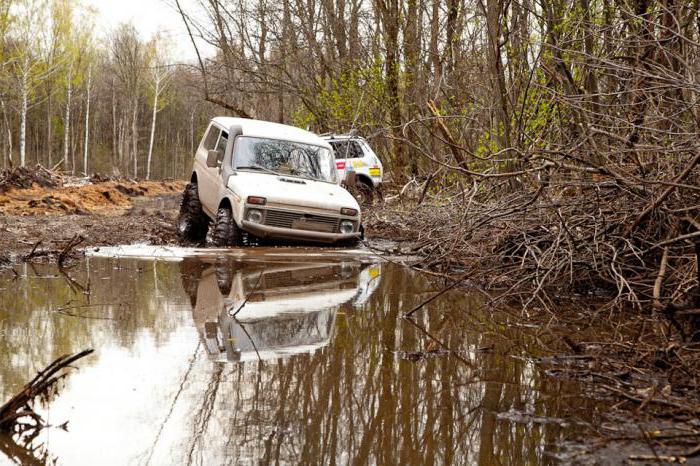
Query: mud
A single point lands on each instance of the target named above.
(107, 198)
(40, 221)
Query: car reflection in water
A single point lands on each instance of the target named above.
(248, 311)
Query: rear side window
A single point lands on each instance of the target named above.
(347, 149)
(210, 139)
(221, 146)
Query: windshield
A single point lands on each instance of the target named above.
(285, 158)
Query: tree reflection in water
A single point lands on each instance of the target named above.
(311, 371)
(354, 400)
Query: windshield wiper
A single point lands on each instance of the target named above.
(258, 167)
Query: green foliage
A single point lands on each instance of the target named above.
(354, 97)
(302, 117)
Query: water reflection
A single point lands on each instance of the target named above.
(308, 372)
(257, 311)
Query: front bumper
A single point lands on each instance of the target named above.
(266, 231)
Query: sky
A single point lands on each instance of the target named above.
(149, 17)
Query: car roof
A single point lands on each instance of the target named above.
(270, 130)
(332, 137)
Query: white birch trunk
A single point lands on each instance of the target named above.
(153, 129)
(9, 131)
(135, 136)
(23, 115)
(87, 123)
(66, 123)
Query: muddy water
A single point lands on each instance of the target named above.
(272, 356)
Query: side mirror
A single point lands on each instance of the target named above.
(214, 158)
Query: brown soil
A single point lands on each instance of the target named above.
(107, 198)
(39, 222)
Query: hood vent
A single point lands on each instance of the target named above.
(291, 180)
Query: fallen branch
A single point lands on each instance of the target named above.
(43, 385)
(75, 241)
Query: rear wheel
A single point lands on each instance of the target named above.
(364, 193)
(224, 232)
(192, 222)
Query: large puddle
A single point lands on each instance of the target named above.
(275, 356)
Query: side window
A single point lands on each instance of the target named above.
(347, 149)
(221, 146)
(209, 141)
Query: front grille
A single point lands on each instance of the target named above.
(299, 221)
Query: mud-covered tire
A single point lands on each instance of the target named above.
(363, 193)
(192, 223)
(224, 232)
(224, 270)
(351, 243)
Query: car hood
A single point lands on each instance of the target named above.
(291, 191)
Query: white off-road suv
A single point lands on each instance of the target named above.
(354, 155)
(267, 180)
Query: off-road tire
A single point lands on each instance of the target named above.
(224, 270)
(192, 223)
(224, 232)
(350, 243)
(363, 193)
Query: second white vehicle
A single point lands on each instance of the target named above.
(268, 180)
(354, 155)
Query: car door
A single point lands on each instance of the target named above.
(221, 147)
(347, 153)
(208, 176)
(341, 150)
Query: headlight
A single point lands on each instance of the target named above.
(346, 226)
(254, 216)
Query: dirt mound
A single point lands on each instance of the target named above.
(24, 178)
(108, 198)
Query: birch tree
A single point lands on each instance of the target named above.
(128, 57)
(160, 74)
(27, 67)
(86, 143)
(77, 57)
(4, 64)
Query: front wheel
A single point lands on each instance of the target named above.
(224, 232)
(192, 222)
(355, 241)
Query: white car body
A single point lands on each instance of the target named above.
(295, 208)
(353, 154)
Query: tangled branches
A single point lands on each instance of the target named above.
(17, 415)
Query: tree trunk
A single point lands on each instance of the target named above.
(434, 39)
(23, 116)
(49, 136)
(66, 120)
(87, 123)
(153, 129)
(115, 145)
(9, 131)
(497, 78)
(135, 136)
